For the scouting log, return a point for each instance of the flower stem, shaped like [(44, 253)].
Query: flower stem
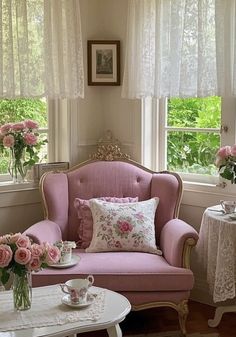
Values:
[(22, 291)]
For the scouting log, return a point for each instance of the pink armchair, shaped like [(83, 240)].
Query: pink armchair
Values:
[(147, 280)]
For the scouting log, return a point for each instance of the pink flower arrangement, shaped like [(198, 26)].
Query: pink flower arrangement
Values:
[(22, 140), (226, 162), (18, 255)]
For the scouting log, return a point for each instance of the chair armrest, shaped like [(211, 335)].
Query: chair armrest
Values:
[(44, 231), (176, 241)]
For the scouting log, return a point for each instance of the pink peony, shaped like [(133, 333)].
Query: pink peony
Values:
[(34, 263), (5, 128), (53, 255), (22, 255), (23, 241), (8, 141), (5, 255), (30, 139), (31, 124), (18, 126), (224, 152)]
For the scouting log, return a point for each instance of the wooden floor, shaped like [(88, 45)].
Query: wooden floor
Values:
[(165, 319)]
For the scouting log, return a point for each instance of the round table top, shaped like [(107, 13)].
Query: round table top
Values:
[(116, 308)]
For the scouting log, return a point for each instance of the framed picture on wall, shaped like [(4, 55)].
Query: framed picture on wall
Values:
[(103, 62)]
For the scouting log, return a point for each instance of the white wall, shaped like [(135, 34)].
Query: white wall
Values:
[(103, 108)]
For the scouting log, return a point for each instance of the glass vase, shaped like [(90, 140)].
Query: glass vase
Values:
[(22, 291), (17, 169)]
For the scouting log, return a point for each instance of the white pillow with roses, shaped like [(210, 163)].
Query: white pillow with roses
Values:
[(123, 227)]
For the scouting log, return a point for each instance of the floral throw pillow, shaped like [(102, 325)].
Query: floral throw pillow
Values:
[(123, 227), (85, 229)]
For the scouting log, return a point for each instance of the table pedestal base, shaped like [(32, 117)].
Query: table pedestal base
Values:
[(218, 315)]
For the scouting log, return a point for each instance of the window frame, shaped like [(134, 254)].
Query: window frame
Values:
[(154, 116)]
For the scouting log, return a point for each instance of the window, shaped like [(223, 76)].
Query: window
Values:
[(16, 110), (183, 135), (192, 136)]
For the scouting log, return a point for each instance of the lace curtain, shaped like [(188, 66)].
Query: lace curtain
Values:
[(177, 48), (40, 49)]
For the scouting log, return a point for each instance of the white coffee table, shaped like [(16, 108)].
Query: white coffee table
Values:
[(116, 309)]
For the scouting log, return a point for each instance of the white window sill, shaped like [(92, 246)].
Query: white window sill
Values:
[(10, 186), (205, 195)]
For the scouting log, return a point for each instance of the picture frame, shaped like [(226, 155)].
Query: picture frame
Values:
[(103, 62)]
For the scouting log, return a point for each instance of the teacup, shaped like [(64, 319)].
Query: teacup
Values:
[(65, 248), (77, 289), (228, 206)]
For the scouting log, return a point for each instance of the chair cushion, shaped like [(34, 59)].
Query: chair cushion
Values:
[(123, 227), (85, 228), (122, 271)]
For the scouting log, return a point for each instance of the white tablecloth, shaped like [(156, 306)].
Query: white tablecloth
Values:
[(216, 249), (47, 309)]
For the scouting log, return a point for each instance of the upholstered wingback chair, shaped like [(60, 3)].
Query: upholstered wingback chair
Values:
[(145, 277)]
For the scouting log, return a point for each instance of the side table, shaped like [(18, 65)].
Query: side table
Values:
[(216, 249)]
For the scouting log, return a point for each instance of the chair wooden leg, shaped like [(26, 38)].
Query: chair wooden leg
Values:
[(183, 313)]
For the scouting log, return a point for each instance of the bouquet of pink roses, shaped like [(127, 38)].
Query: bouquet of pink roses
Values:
[(22, 139), (226, 162), (18, 255)]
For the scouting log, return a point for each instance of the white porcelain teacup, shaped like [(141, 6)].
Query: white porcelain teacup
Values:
[(65, 248), (77, 289), (228, 206)]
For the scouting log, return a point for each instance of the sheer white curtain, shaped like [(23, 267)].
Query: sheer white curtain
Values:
[(40, 49), (175, 48)]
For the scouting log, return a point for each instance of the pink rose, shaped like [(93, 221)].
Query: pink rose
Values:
[(224, 152), (5, 239), (22, 255), (30, 139), (14, 237), (53, 255), (124, 226), (5, 128), (34, 263), (219, 161), (118, 244), (31, 124), (233, 150), (139, 216), (8, 141), (18, 126), (23, 241), (5, 255), (37, 250)]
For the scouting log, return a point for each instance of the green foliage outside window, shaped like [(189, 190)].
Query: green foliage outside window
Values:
[(16, 110), (193, 152)]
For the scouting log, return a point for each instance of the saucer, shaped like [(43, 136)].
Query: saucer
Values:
[(66, 300), (74, 260)]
